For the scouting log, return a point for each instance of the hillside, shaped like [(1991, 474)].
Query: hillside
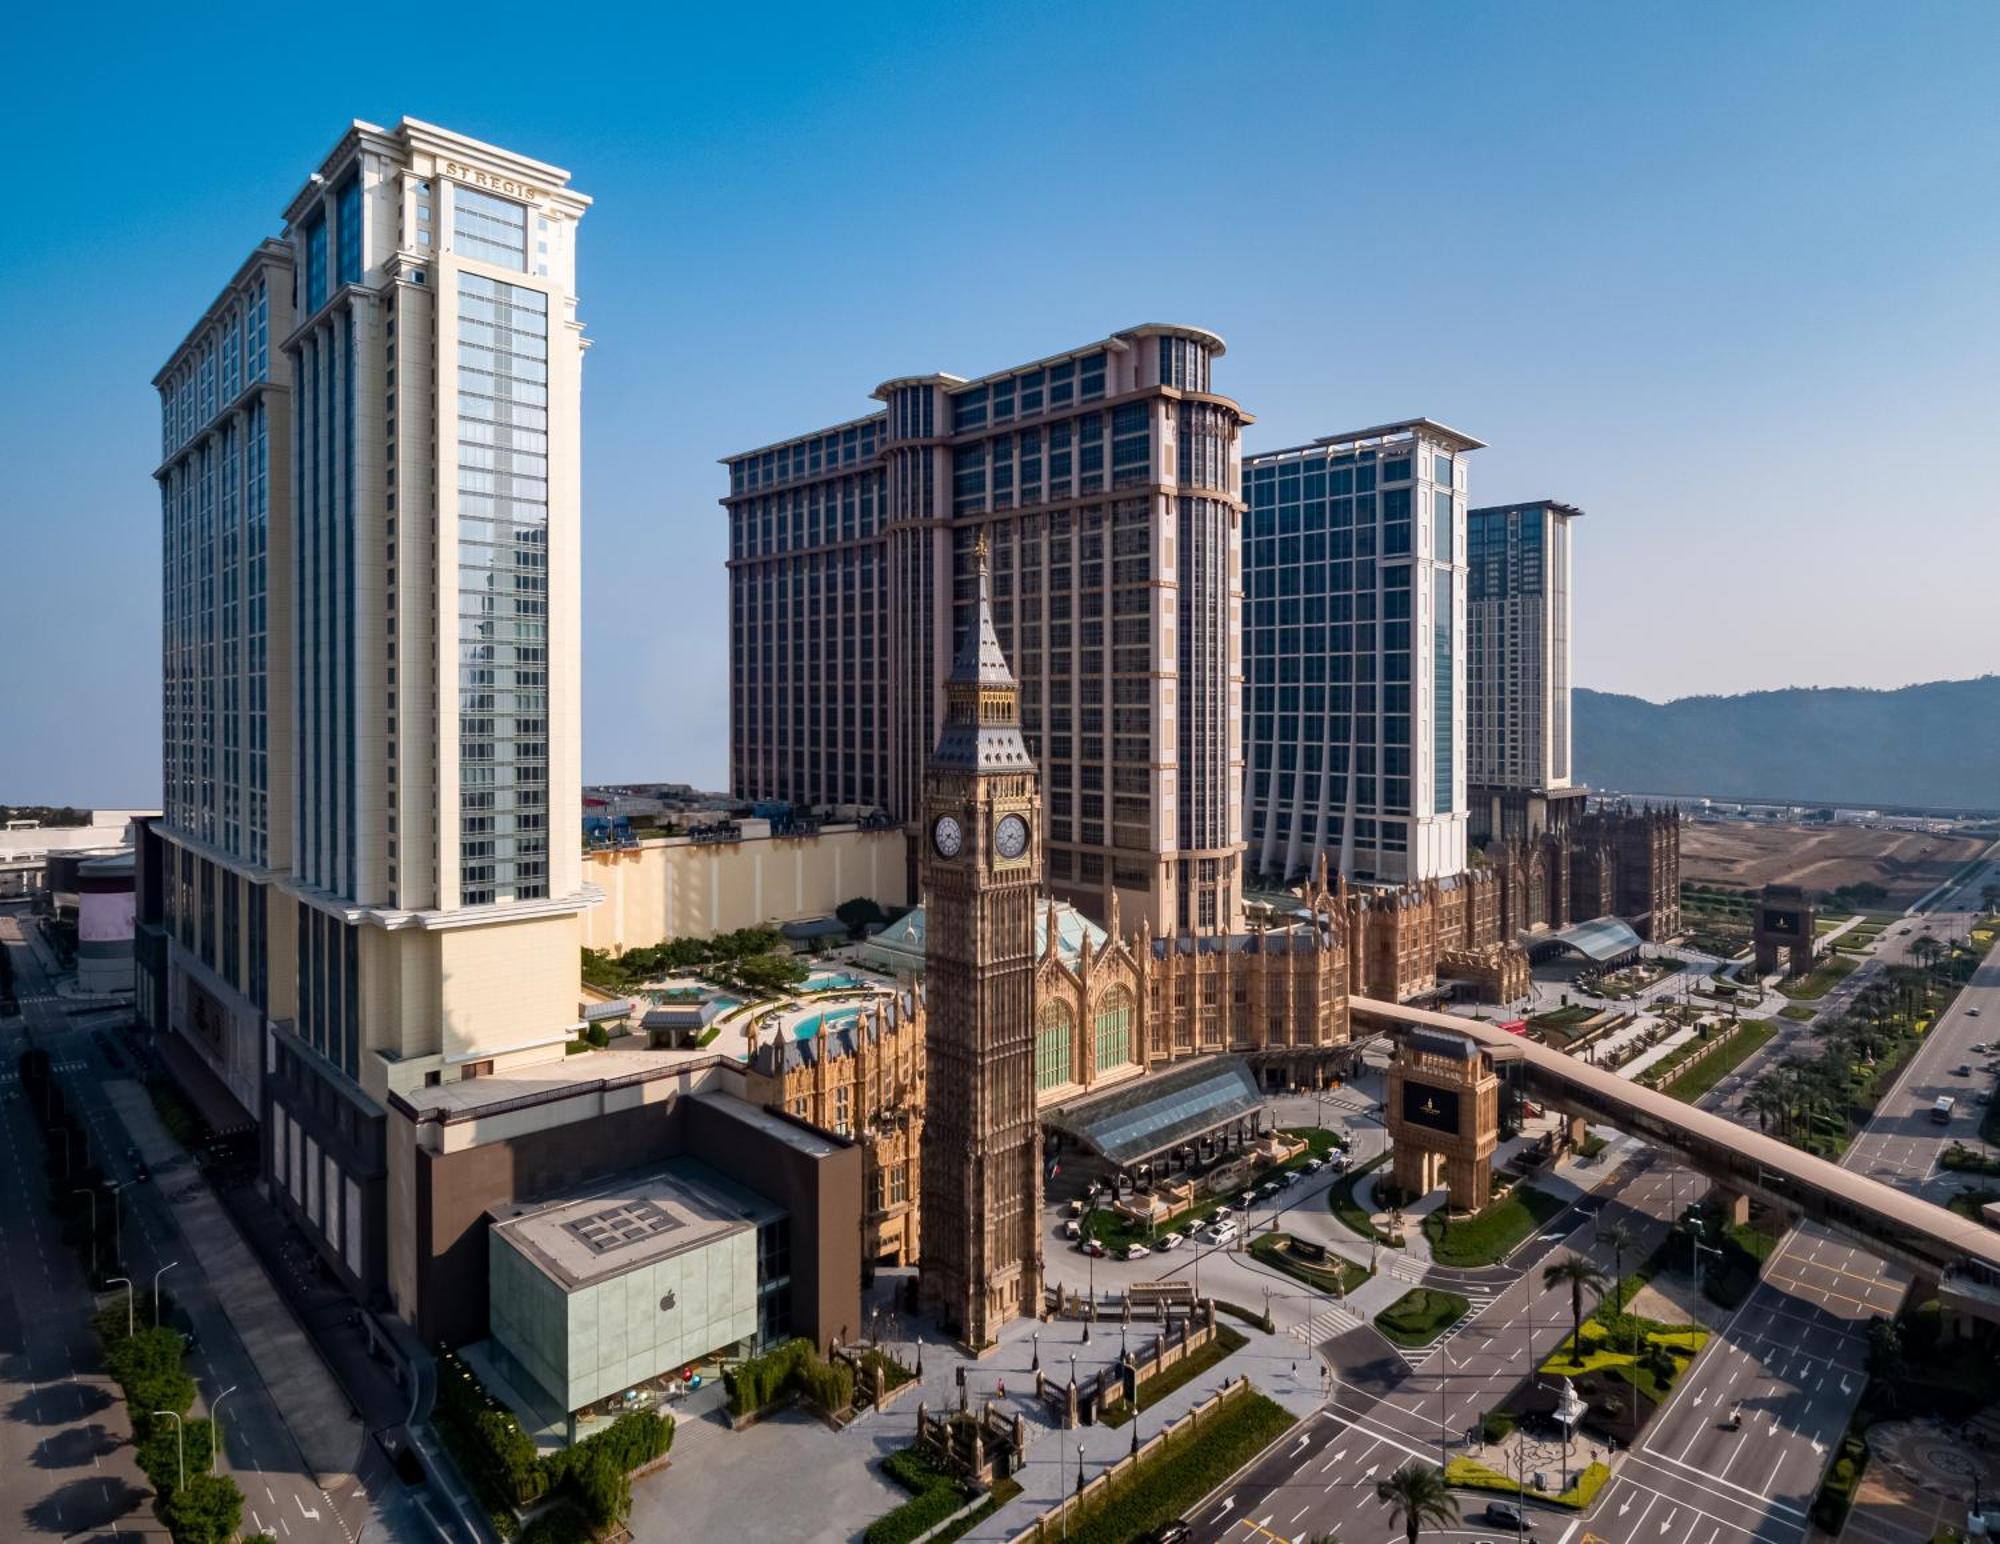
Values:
[(1935, 745)]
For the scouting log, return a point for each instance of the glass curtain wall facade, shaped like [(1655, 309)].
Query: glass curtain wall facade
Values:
[(1105, 481), (1518, 635), (1353, 627)]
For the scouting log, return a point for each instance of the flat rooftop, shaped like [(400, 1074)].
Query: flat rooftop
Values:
[(620, 1225)]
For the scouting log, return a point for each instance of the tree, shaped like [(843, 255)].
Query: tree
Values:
[(770, 972), (207, 1510), (1619, 1237), (603, 1490), (1417, 1495), (863, 911), (1579, 1274)]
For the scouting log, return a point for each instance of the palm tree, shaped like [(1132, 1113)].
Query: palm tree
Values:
[(1620, 1237), (1417, 1494), (1580, 1274)]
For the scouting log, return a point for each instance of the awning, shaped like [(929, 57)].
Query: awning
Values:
[(205, 1091), (1161, 1112), (1603, 939)]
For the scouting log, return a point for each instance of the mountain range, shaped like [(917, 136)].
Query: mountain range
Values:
[(1929, 746)]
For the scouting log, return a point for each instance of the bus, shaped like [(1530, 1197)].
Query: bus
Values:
[(1941, 1111)]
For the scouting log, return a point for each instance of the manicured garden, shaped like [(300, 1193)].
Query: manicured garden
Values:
[(1646, 1354), (1332, 1275), (1748, 1039), (1168, 1482), (1421, 1315), (1797, 1012), (1470, 1474), (935, 1494), (1490, 1235), (1225, 1343), (1340, 1199)]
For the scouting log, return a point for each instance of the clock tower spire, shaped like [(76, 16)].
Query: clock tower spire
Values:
[(982, 868)]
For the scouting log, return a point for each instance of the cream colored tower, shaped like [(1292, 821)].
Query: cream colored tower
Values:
[(982, 1172)]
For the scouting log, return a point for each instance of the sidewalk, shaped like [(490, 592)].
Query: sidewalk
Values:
[(315, 1410)]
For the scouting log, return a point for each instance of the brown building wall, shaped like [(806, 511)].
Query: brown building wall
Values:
[(453, 1191)]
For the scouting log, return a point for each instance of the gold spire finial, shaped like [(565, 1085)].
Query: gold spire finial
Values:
[(979, 548)]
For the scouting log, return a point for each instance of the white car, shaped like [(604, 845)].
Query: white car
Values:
[(1222, 1232), (1314, 1165), (1136, 1251), (1072, 1228), (1170, 1242)]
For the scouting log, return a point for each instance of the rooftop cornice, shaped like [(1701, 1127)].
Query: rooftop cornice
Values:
[(268, 253)]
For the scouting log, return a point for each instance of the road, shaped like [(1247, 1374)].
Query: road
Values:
[(280, 1495), (1792, 1357)]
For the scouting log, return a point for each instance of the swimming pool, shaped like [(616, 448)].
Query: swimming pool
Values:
[(809, 1028), (835, 981)]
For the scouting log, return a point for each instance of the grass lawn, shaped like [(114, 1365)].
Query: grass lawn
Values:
[(934, 1495), (1420, 1315), (1797, 1012), (1817, 982), (1564, 1018), (1746, 1042), (1492, 1234), (1340, 1198), (1226, 1342), (1337, 1276), (1170, 1481)]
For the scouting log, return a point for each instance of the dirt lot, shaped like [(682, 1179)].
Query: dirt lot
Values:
[(1823, 857)]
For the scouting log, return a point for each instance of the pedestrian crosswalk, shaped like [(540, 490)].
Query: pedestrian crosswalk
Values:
[(1330, 1321)]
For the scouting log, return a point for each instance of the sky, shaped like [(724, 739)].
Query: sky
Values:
[(1721, 275)]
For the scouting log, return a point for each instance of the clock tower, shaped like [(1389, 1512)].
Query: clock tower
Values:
[(982, 868)]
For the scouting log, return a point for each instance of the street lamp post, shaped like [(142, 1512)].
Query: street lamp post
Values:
[(156, 1289), (127, 1280), (82, 1190), (117, 1223), (215, 1418), (180, 1443)]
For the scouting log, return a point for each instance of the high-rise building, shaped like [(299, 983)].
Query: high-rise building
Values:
[(1353, 646), (1518, 667), (371, 497), (982, 858), (1106, 481)]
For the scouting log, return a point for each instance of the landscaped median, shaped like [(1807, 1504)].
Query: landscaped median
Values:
[(1173, 1471), (1421, 1315), (1820, 980), (1470, 1474)]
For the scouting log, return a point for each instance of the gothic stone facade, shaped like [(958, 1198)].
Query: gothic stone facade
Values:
[(1617, 862), (863, 1079)]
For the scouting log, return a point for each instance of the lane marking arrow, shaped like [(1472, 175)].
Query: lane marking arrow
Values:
[(1228, 1501), (1676, 1512)]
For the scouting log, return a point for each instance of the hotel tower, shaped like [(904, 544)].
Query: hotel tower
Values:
[(367, 876)]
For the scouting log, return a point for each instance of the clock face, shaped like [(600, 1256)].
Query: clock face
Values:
[(1010, 837), (947, 836)]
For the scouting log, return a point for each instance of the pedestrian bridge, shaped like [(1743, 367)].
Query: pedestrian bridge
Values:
[(1931, 1242)]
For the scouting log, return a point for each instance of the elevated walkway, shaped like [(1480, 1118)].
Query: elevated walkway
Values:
[(1928, 1241)]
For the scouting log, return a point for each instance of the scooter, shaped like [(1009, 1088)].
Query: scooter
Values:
[(1735, 1421)]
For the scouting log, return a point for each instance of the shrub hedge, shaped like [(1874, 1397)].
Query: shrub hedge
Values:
[(759, 1382)]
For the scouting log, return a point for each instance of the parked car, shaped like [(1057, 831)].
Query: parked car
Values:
[(1978, 1047), (1247, 1200), (1170, 1242), (1091, 1247), (1962, 1070), (1072, 1228), (136, 1163), (1270, 1187), (1336, 1160), (1222, 1211), (1136, 1252), (1507, 1514), (1222, 1232), (1972, 1013), (1189, 1229), (1289, 1177), (1075, 1208), (1175, 1532), (1314, 1165)]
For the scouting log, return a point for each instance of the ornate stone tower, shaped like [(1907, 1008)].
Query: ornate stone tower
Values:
[(982, 868)]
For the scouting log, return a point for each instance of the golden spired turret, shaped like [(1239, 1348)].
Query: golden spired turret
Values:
[(981, 871)]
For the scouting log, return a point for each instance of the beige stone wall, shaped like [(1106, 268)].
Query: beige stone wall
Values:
[(510, 987), (675, 888)]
